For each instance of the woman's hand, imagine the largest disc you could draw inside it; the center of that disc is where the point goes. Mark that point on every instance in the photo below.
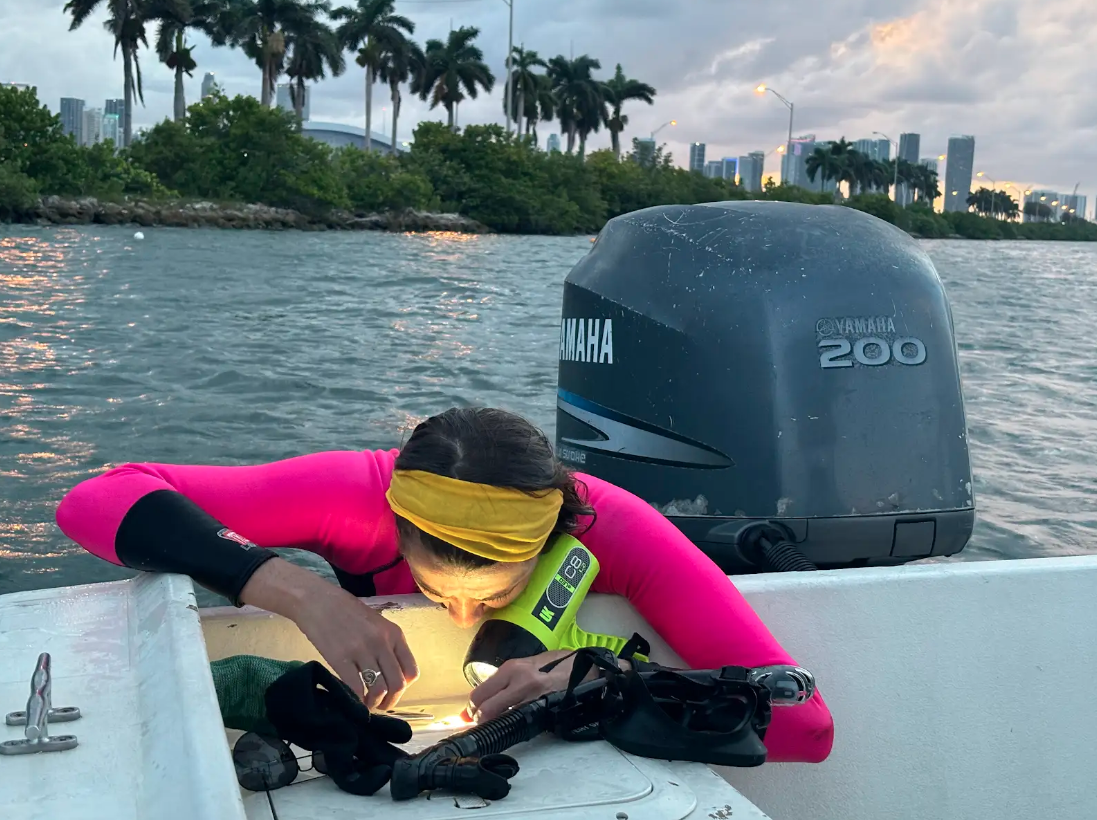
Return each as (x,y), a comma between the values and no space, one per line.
(519,681)
(351,636)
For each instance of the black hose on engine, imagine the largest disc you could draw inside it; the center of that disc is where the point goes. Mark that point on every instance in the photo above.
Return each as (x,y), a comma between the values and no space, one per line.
(771,547)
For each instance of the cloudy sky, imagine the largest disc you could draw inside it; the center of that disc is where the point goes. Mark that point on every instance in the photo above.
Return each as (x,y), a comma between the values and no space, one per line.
(1017,74)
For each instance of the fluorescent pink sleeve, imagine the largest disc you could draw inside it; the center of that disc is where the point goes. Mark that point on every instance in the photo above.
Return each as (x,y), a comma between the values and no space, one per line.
(331,503)
(694,607)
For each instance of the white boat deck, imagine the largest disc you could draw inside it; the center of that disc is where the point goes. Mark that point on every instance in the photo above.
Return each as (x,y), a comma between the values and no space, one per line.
(151,745)
(130,656)
(959,691)
(557,781)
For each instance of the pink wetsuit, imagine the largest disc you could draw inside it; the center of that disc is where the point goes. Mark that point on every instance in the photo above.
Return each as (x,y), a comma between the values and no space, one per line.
(333,504)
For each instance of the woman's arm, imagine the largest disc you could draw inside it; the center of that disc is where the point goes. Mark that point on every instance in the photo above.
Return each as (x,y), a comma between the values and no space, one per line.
(213,523)
(694,607)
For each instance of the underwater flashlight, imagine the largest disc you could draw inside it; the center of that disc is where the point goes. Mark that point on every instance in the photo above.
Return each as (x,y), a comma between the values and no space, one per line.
(542,618)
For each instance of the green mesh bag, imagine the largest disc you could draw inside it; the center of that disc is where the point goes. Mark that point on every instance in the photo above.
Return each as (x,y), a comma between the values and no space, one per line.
(241,683)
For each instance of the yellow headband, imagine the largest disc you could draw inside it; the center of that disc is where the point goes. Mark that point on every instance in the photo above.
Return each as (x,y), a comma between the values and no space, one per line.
(496,523)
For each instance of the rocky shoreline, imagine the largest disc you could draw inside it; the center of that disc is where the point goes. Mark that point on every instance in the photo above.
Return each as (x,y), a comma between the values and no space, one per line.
(54,210)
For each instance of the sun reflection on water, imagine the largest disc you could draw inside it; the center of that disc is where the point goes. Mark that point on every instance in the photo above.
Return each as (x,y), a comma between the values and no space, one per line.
(40,278)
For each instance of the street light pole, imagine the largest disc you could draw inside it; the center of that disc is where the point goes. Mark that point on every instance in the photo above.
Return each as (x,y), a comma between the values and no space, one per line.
(510,51)
(762,89)
(993,191)
(661,127)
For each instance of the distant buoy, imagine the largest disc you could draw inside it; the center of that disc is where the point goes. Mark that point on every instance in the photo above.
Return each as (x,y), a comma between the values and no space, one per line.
(139,235)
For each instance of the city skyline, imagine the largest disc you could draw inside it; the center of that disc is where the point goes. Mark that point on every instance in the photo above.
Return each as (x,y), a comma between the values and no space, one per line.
(91,125)
(891,69)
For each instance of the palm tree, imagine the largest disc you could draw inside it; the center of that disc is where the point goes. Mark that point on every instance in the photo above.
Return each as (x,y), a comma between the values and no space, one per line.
(450,67)
(823,163)
(841,149)
(523,82)
(401,62)
(619,90)
(983,201)
(259,28)
(590,119)
(578,94)
(126,22)
(858,171)
(371,26)
(1040,211)
(313,50)
(879,175)
(206,16)
(540,106)
(927,185)
(906,174)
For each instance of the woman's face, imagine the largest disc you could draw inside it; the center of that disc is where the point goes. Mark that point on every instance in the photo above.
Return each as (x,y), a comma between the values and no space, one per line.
(467,594)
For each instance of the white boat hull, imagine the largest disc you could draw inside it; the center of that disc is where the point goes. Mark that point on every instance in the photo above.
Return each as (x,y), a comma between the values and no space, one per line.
(959,690)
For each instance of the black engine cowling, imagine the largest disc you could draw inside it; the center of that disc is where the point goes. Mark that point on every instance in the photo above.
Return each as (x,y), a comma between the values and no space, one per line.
(737,362)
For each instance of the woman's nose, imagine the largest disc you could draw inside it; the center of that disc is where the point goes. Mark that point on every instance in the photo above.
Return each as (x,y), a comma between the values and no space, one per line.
(466,613)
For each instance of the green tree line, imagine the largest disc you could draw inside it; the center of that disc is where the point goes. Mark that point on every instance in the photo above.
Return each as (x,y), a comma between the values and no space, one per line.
(237,150)
(240,151)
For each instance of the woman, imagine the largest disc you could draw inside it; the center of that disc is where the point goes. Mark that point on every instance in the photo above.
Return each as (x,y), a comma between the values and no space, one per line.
(460,514)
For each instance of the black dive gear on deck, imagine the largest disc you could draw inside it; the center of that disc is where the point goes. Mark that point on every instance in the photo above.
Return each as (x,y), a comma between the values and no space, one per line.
(712,716)
(283,702)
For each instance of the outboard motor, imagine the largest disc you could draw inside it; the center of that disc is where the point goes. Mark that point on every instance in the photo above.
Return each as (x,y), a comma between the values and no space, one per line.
(765,372)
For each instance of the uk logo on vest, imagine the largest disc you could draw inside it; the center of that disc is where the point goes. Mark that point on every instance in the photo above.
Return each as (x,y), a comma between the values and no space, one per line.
(586,340)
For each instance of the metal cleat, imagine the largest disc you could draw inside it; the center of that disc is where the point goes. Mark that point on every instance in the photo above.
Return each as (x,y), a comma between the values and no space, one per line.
(37,716)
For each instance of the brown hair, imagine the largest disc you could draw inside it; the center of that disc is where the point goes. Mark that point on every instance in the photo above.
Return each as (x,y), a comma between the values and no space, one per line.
(488,446)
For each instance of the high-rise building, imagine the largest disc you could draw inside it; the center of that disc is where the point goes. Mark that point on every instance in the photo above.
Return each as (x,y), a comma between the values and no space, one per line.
(207,84)
(116,108)
(959,163)
(697,157)
(793,171)
(1076,205)
(714,169)
(909,146)
(110,129)
(552,145)
(284,99)
(751,167)
(93,126)
(645,150)
(874,149)
(729,168)
(72,118)
(1040,206)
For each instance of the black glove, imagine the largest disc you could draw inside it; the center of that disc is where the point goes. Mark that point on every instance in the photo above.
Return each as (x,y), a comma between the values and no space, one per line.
(311,708)
(487,777)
